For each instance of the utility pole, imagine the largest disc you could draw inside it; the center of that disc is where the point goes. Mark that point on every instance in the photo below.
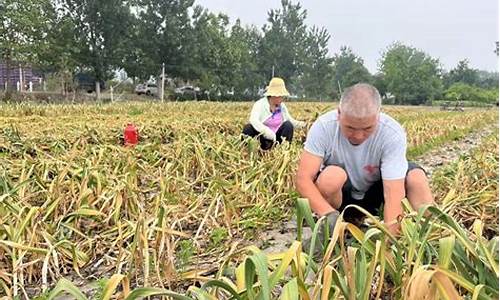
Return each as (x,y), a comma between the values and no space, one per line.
(97,90)
(162,91)
(273,72)
(21,79)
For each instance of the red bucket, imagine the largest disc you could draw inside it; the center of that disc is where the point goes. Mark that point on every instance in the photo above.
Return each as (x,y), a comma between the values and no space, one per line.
(130,135)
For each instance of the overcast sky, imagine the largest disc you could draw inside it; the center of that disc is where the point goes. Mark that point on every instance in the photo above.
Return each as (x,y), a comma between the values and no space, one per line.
(450,30)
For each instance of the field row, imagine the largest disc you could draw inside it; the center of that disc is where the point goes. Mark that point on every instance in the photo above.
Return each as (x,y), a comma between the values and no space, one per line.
(72,197)
(435,254)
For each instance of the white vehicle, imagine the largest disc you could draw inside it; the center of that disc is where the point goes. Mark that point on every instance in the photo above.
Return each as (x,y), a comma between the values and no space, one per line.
(140,89)
(187,89)
(149,89)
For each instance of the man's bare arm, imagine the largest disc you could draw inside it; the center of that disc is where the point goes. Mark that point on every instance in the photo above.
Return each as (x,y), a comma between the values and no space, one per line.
(309,165)
(394,192)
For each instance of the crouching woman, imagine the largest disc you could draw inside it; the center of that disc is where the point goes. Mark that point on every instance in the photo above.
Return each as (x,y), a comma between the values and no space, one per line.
(270,119)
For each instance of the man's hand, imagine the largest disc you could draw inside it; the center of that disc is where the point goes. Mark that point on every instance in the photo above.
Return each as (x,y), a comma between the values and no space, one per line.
(394,227)
(332,218)
(330,222)
(394,192)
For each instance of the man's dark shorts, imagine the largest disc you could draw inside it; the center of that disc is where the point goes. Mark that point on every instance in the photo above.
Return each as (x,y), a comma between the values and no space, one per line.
(372,201)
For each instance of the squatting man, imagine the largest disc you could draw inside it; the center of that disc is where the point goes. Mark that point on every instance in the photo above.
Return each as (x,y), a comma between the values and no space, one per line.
(357,155)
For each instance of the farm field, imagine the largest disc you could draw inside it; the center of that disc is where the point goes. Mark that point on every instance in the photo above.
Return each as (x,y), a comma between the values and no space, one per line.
(183,208)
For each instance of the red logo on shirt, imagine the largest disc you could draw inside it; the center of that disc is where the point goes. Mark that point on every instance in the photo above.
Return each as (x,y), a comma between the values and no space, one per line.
(371,168)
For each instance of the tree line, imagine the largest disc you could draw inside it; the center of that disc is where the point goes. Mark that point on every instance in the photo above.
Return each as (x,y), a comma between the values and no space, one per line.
(66,37)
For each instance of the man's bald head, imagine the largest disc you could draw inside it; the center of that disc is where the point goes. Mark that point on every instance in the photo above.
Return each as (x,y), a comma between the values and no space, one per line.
(360,100)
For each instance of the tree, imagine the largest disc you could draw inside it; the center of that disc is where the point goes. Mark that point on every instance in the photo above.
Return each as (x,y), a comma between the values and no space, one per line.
(316,80)
(224,59)
(138,62)
(411,75)
(283,45)
(246,78)
(23,28)
(461,91)
(462,73)
(380,84)
(487,80)
(100,33)
(58,56)
(348,69)
(161,33)
(213,62)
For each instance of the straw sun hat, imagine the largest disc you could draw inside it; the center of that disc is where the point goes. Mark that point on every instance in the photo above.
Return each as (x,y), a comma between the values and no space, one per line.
(276,88)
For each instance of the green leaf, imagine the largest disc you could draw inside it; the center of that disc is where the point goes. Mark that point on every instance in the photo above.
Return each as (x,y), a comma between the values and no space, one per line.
(290,290)
(223,285)
(146,292)
(64,285)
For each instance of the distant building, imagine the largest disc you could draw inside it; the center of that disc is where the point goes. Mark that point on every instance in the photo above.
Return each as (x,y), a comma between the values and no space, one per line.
(15,75)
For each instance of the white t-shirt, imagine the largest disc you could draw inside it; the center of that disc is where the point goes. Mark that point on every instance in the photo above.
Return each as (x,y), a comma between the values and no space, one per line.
(381,156)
